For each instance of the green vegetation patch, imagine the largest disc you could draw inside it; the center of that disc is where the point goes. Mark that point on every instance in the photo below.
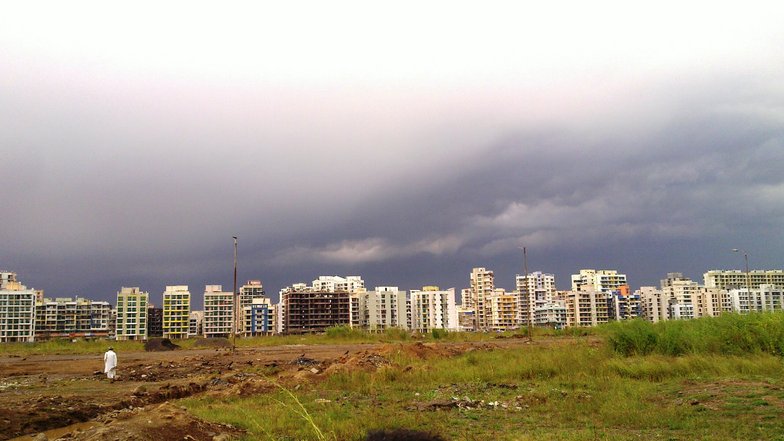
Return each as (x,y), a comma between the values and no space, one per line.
(565,391)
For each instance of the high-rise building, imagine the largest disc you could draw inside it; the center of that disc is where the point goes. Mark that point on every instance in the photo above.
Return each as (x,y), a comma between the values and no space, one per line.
(305,310)
(729,279)
(154,321)
(218,312)
(131,314)
(196,324)
(623,304)
(249,292)
(653,304)
(257,317)
(481,288)
(586,307)
(349,284)
(17,310)
(536,290)
(176,311)
(67,317)
(600,280)
(502,310)
(433,308)
(765,298)
(382,308)
(680,293)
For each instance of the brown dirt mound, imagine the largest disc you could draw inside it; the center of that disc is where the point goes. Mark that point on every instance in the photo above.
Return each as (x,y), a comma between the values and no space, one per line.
(421,350)
(159,344)
(154,423)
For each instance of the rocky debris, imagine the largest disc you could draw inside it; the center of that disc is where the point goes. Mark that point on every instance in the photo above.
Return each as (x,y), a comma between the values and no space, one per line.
(215,342)
(159,344)
(304,361)
(464,403)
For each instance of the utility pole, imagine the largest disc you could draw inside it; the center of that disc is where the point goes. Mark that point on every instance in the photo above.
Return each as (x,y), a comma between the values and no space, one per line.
(236,303)
(748,276)
(528,294)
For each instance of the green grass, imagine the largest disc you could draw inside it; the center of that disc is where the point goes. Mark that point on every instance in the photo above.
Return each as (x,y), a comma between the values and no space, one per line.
(726,334)
(573,391)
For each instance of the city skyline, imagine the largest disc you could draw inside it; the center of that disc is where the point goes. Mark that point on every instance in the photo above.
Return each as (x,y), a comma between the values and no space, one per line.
(407,145)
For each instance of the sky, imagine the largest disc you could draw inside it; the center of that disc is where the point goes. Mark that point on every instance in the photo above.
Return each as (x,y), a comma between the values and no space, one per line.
(405,142)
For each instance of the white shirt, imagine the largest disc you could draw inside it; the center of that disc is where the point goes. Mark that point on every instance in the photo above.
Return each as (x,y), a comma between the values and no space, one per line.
(110,360)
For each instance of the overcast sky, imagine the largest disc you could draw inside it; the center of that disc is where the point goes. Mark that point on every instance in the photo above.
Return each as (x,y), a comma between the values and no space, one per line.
(405,143)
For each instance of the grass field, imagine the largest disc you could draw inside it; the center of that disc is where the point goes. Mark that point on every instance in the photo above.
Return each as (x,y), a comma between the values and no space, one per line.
(579,390)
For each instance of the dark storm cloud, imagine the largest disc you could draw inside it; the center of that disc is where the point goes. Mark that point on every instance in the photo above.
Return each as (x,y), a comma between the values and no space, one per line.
(131,159)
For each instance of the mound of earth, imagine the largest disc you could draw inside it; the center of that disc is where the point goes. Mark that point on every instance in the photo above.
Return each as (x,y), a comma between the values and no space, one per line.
(154,423)
(216,342)
(159,344)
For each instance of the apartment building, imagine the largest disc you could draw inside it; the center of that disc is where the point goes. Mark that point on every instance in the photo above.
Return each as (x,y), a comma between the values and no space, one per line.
(653,304)
(131,314)
(765,298)
(196,324)
(349,284)
(536,290)
(218,312)
(604,281)
(482,286)
(176,311)
(17,310)
(731,279)
(250,291)
(67,317)
(305,310)
(624,305)
(586,307)
(154,321)
(502,310)
(257,317)
(551,314)
(680,293)
(433,308)
(382,308)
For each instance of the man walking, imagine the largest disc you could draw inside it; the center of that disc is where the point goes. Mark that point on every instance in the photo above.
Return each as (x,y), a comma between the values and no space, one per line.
(110,364)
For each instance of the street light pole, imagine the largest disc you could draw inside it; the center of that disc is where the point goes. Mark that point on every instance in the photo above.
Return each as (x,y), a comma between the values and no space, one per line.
(234,299)
(748,277)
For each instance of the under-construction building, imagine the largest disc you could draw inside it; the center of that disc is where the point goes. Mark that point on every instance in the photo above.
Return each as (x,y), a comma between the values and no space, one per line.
(309,311)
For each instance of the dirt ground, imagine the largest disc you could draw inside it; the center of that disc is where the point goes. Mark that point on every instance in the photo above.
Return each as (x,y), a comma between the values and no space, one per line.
(67,397)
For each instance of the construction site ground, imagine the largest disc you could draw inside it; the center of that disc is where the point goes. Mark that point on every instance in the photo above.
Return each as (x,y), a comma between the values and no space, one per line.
(69,397)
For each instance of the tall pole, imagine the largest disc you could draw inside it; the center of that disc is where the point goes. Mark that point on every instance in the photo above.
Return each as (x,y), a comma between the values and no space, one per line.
(234,298)
(528,294)
(748,276)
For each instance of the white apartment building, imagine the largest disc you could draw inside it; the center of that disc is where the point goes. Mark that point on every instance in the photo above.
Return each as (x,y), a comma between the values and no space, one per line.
(17,310)
(218,312)
(249,292)
(711,302)
(382,308)
(586,307)
(551,314)
(349,284)
(176,311)
(433,308)
(729,279)
(482,286)
(653,304)
(131,314)
(681,293)
(765,298)
(196,324)
(536,290)
(604,281)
